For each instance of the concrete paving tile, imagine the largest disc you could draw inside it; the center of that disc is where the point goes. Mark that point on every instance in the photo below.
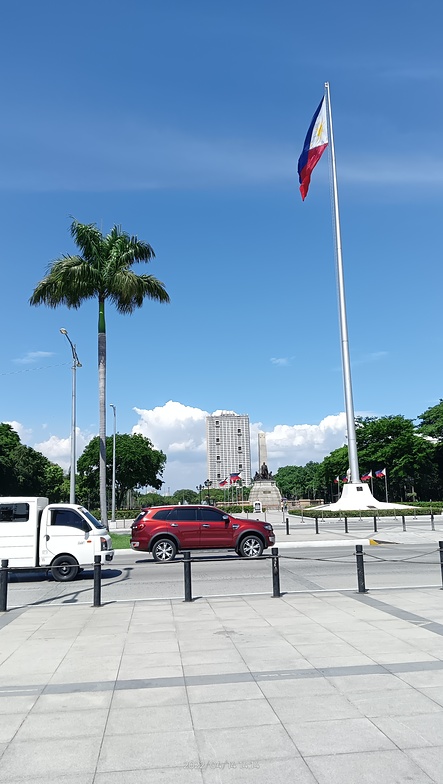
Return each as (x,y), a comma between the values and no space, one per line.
(9,725)
(375,682)
(133,662)
(33,758)
(210,643)
(325,662)
(293,770)
(79,701)
(248,713)
(422,678)
(221,668)
(397,658)
(430,760)
(124,721)
(343,736)
(140,698)
(392,767)
(297,687)
(82,778)
(234,745)
(224,692)
(127,672)
(180,775)
(434,693)
(213,656)
(147,750)
(17,703)
(396,702)
(131,648)
(309,708)
(412,731)
(86,723)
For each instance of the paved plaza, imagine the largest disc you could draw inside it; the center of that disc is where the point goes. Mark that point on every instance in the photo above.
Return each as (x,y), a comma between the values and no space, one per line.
(333,688)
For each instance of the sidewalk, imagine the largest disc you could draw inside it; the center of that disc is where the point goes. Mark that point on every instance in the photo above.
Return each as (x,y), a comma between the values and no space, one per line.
(333,688)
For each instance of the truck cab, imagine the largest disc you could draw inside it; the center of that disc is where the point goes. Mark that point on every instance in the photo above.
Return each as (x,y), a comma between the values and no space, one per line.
(62,537)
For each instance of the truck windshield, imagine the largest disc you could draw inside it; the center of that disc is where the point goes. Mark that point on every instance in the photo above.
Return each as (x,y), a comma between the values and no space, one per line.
(93,520)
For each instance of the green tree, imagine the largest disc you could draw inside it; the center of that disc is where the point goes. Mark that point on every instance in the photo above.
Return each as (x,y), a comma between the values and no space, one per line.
(137,464)
(190,496)
(9,440)
(431,424)
(102,271)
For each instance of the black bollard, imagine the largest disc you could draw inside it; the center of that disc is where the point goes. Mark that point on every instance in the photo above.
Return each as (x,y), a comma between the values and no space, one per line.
(275,573)
(4,571)
(440,547)
(360,568)
(316,525)
(375,524)
(432,521)
(97,581)
(187,575)
(346,525)
(287,526)
(403,522)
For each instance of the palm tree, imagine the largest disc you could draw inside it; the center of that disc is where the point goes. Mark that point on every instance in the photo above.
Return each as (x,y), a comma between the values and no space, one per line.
(102,271)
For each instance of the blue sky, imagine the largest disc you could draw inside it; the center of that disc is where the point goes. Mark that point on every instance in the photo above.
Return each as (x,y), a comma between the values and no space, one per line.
(183,122)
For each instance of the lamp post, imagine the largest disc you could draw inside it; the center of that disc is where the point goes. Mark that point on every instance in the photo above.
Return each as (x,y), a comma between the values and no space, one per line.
(199,489)
(113,462)
(75,364)
(208,484)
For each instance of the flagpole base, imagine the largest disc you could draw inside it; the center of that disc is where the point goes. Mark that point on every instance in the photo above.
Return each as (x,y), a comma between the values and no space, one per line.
(357,496)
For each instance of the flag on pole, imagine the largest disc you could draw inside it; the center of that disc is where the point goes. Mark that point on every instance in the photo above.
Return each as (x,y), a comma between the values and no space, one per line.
(223,483)
(365,477)
(235,477)
(344,479)
(381,474)
(315,144)
(336,480)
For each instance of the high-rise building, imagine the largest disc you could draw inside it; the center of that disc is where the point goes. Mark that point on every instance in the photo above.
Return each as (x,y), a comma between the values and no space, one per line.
(228,446)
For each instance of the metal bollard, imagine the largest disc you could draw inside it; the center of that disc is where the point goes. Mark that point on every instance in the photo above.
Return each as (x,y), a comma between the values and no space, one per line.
(432,522)
(360,568)
(4,586)
(97,581)
(275,573)
(346,525)
(316,525)
(287,526)
(440,547)
(187,575)
(375,524)
(403,522)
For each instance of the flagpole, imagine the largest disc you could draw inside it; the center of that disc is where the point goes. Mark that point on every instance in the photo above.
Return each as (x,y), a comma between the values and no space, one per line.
(346,364)
(386,486)
(372,484)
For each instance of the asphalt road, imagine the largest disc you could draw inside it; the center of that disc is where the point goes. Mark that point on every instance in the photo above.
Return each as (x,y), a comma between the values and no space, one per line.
(135,576)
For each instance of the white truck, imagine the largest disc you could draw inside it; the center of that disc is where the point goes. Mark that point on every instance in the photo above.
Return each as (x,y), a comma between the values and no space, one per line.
(62,537)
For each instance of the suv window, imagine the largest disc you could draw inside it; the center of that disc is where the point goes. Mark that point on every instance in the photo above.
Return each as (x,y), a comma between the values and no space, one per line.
(210,514)
(183,513)
(162,514)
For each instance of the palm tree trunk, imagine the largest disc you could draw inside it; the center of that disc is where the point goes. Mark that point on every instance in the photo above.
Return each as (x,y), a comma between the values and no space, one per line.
(102,408)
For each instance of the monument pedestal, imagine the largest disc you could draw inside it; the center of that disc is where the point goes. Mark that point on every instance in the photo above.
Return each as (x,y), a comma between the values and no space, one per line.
(267,492)
(357,496)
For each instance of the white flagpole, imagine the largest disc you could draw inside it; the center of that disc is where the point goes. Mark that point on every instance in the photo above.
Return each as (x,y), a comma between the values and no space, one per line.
(386,485)
(372,484)
(346,364)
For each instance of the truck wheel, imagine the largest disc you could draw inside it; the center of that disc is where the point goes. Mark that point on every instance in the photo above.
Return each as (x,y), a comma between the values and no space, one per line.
(250,547)
(64,568)
(164,550)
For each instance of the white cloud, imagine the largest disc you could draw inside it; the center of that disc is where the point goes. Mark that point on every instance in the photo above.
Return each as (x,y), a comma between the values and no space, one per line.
(21,430)
(58,449)
(33,356)
(281,361)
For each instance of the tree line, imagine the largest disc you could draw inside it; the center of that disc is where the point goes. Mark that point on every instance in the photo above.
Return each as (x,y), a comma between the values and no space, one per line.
(410,453)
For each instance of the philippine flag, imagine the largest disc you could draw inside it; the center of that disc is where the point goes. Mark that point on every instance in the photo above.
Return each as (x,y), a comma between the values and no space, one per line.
(365,477)
(381,474)
(315,144)
(337,479)
(234,478)
(223,483)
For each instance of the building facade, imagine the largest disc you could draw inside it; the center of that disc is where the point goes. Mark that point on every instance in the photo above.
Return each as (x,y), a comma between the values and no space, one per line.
(228,446)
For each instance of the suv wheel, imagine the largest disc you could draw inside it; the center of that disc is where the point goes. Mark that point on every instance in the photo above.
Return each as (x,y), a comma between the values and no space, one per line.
(250,547)
(164,550)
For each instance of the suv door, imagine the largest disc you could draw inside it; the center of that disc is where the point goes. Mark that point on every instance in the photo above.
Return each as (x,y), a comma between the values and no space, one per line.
(184,524)
(215,528)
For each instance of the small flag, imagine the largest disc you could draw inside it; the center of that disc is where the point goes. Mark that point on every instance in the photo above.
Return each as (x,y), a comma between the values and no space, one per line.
(234,478)
(381,474)
(365,477)
(223,483)
(315,144)
(344,479)
(336,480)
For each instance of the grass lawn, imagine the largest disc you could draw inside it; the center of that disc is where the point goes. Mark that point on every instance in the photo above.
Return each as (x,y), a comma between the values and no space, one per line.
(120,541)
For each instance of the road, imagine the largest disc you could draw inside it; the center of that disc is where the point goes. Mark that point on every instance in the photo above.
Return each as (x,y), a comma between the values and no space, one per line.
(133,576)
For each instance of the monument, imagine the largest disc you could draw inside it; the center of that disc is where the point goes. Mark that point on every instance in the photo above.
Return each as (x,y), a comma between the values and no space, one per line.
(264,489)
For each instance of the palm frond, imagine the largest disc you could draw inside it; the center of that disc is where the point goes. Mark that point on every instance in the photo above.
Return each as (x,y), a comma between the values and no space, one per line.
(90,240)
(69,281)
(128,291)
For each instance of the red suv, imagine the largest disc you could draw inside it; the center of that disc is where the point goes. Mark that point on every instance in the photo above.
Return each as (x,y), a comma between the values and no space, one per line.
(164,530)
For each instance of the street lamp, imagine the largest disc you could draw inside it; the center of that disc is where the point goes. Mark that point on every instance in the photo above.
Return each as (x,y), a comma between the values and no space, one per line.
(207,483)
(75,364)
(199,489)
(113,462)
